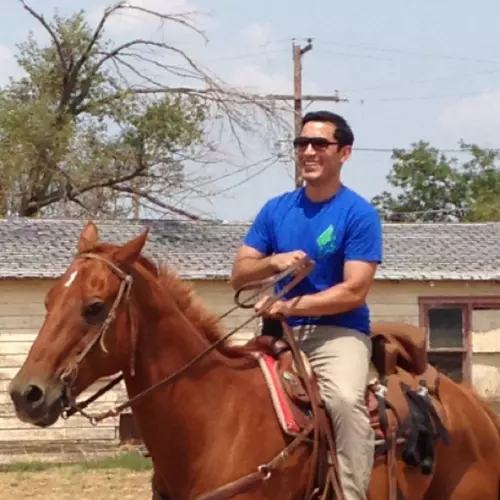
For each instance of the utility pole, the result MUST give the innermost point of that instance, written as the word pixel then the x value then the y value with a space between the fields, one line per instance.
pixel 298 52
pixel 136 199
pixel 136 205
pixel 297 97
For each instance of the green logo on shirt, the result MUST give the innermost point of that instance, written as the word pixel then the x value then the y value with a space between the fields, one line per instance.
pixel 326 241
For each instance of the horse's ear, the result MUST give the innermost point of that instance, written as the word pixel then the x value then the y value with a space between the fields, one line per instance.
pixel 89 237
pixel 128 253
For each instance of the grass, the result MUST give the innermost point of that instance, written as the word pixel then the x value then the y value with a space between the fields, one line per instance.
pixel 126 476
pixel 131 461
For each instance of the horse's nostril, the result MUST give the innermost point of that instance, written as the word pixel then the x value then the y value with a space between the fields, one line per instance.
pixel 33 394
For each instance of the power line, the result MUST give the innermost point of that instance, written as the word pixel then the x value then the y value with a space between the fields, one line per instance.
pixel 406 148
pixel 411 83
pixel 244 181
pixel 245 55
pixel 412 52
pixel 355 56
pixel 440 150
pixel 426 97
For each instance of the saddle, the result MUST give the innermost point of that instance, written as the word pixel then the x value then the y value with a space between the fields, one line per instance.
pixel 402 398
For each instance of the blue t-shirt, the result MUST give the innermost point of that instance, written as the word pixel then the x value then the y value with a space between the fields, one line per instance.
pixel 345 227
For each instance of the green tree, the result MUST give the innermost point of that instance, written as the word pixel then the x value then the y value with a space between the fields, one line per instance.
pixel 88 130
pixel 429 186
pixel 481 176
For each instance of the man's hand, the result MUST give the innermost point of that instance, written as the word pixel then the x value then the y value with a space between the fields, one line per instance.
pixel 280 309
pixel 282 261
pixel 252 265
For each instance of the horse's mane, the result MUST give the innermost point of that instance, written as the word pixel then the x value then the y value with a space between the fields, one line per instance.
pixel 186 298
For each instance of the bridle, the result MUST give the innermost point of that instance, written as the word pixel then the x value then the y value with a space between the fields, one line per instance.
pixel 299 270
pixel 69 375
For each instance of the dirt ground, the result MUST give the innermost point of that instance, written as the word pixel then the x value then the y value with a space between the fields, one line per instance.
pixel 74 484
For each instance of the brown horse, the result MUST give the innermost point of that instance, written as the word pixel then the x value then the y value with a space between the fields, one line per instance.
pixel 114 311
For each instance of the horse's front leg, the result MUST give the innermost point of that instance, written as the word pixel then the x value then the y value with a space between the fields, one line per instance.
pixel 157 494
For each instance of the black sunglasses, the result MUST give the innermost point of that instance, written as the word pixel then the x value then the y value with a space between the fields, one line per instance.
pixel 316 142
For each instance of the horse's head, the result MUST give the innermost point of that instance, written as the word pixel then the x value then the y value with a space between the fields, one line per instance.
pixel 83 337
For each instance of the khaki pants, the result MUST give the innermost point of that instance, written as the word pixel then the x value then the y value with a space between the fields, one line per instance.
pixel 341 359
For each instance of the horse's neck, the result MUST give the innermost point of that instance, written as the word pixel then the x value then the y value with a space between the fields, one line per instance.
pixel 187 423
pixel 179 416
pixel 167 342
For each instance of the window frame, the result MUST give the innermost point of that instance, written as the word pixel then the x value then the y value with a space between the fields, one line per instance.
pixel 467 304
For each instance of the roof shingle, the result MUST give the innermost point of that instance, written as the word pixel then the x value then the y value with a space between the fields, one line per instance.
pixel 43 248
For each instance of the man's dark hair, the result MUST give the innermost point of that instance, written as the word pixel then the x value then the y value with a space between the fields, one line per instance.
pixel 343 132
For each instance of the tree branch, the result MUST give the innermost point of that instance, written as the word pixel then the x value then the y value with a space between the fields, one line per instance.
pixel 58 194
pixel 72 77
pixel 46 25
pixel 156 201
pixel 138 42
pixel 177 70
pixel 181 18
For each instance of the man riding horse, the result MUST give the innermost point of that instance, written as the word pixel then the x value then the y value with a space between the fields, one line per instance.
pixel 342 233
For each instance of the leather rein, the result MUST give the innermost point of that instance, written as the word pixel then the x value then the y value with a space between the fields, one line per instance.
pixel 299 270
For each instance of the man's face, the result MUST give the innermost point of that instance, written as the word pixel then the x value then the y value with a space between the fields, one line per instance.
pixel 321 159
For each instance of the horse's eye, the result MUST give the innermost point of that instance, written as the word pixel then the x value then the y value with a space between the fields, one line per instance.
pixel 94 311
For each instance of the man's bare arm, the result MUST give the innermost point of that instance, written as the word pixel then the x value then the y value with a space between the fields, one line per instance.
pixel 252 265
pixel 346 296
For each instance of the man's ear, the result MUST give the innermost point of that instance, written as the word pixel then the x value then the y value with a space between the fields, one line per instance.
pixel 346 153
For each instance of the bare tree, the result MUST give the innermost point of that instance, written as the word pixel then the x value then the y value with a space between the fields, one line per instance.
pixel 93 122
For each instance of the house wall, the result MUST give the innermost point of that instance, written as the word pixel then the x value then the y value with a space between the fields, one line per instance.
pixel 486 352
pixel 398 301
pixel 21 316
pixel 391 301
pixel 22 312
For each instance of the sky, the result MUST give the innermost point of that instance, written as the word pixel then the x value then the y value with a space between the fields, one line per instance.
pixel 410 71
